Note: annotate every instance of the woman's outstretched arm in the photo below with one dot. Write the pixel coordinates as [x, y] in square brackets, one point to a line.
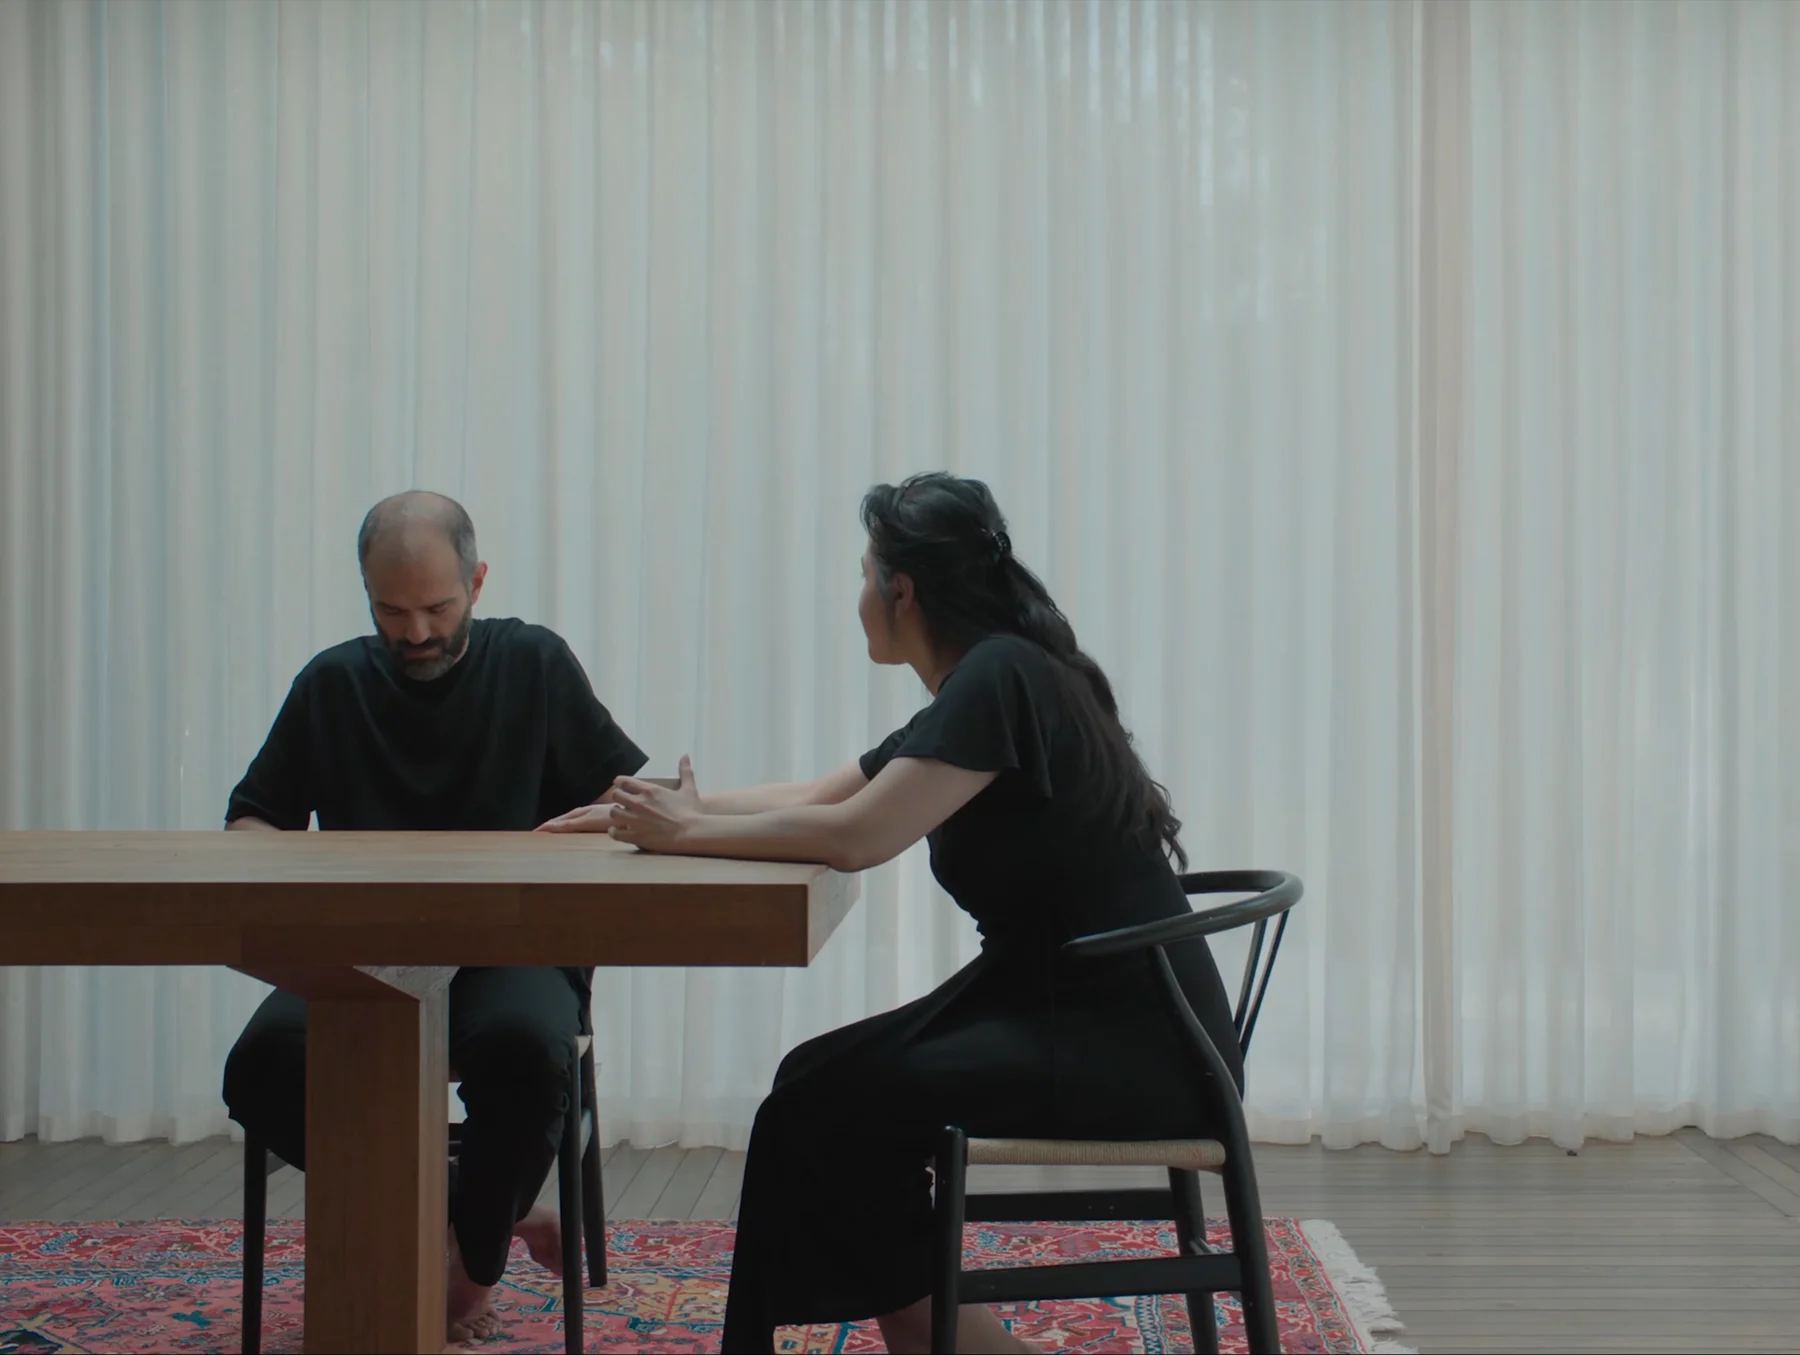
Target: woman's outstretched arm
[909, 798]
[831, 789]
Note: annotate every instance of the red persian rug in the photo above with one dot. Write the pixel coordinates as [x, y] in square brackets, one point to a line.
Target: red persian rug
[174, 1286]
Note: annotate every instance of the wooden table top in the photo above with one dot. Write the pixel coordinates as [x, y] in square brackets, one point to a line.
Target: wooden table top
[256, 900]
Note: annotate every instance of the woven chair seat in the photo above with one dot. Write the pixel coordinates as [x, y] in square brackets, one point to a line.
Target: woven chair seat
[1194, 1155]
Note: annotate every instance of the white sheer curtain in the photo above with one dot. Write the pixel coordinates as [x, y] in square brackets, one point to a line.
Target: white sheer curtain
[1336, 466]
[1626, 627]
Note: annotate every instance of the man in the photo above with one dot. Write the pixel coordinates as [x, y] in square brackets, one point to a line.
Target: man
[440, 721]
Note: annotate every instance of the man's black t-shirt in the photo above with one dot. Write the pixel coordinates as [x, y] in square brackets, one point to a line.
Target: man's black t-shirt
[511, 736]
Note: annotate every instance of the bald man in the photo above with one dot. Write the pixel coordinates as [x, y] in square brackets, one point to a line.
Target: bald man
[440, 721]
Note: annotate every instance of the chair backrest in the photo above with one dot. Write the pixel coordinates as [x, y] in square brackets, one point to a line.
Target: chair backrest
[1257, 966]
[1273, 893]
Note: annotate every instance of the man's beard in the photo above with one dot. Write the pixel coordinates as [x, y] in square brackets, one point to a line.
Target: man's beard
[436, 656]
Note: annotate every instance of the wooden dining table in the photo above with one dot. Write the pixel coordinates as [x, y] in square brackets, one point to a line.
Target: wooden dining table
[369, 928]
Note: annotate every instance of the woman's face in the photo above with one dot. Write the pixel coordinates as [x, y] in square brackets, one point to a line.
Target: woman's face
[877, 615]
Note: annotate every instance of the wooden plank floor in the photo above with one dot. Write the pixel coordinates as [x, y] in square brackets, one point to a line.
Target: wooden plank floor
[1673, 1244]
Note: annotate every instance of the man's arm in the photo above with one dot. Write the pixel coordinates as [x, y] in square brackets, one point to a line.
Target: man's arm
[588, 751]
[277, 791]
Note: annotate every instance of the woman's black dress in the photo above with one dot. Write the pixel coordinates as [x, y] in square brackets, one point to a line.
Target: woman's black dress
[834, 1223]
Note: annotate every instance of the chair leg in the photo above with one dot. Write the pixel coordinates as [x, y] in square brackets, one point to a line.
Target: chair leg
[1250, 1241]
[593, 1187]
[951, 1172]
[1190, 1234]
[256, 1214]
[568, 1182]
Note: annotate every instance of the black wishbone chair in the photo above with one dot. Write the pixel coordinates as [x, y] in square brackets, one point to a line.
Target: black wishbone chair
[1197, 1272]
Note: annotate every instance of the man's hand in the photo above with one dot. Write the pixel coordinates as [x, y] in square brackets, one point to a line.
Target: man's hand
[594, 818]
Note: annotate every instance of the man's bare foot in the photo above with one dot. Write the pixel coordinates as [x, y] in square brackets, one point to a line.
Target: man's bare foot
[541, 1231]
[469, 1307]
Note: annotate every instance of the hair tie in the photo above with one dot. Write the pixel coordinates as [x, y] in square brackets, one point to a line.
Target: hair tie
[999, 545]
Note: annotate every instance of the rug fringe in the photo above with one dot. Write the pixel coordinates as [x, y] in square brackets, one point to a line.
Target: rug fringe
[1365, 1298]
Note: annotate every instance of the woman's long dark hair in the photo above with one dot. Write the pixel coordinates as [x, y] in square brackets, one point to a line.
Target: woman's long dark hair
[949, 537]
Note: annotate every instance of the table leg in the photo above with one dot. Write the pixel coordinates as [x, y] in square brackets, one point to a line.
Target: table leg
[376, 1213]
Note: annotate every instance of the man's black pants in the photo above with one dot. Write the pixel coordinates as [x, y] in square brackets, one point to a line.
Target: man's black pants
[512, 1039]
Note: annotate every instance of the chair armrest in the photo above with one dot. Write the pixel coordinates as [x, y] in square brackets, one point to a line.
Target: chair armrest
[1275, 892]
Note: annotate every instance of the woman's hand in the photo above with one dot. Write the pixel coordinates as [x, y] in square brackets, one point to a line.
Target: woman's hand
[647, 814]
[598, 817]
[655, 818]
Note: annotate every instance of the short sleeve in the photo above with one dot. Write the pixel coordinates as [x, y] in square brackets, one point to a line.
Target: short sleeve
[995, 712]
[587, 748]
[882, 753]
[278, 787]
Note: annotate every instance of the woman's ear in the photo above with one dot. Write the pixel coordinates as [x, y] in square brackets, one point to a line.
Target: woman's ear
[900, 591]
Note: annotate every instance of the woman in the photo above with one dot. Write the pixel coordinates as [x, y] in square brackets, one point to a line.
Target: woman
[1044, 825]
